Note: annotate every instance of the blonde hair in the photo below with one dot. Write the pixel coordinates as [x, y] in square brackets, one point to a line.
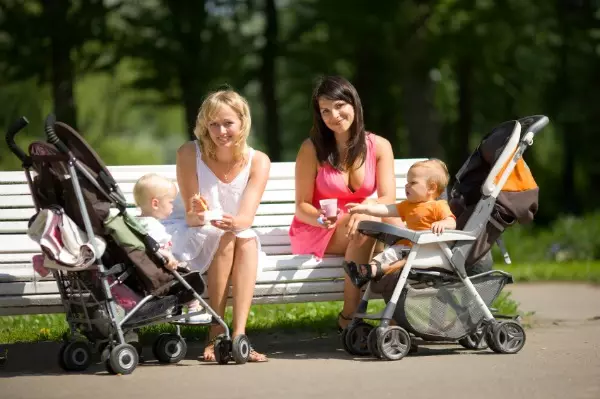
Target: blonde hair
[438, 173]
[206, 114]
[151, 186]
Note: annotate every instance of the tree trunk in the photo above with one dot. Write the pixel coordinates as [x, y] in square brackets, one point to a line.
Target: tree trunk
[191, 104]
[268, 75]
[189, 20]
[421, 117]
[464, 125]
[55, 15]
[566, 126]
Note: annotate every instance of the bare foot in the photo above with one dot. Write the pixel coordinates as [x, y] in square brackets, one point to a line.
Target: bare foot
[256, 357]
[209, 352]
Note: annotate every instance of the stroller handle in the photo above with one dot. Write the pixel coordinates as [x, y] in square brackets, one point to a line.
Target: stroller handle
[12, 131]
[534, 123]
[51, 135]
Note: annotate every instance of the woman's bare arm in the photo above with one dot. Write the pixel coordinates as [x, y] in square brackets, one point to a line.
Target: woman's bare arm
[386, 177]
[306, 173]
[187, 180]
[257, 181]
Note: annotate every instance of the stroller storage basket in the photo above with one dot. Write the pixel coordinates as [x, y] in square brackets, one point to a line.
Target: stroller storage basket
[446, 310]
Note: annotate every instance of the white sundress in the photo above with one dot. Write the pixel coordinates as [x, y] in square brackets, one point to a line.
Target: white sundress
[197, 245]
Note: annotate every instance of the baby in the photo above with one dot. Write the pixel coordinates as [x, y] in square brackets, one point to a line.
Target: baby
[154, 195]
[426, 181]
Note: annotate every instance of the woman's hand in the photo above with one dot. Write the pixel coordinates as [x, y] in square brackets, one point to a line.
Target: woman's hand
[195, 219]
[199, 203]
[227, 223]
[353, 221]
[328, 223]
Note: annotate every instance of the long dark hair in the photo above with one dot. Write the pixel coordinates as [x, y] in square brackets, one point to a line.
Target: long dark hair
[338, 88]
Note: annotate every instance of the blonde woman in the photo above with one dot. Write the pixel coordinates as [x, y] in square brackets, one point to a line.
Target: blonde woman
[219, 175]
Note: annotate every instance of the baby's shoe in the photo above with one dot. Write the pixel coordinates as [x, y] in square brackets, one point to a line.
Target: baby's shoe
[200, 318]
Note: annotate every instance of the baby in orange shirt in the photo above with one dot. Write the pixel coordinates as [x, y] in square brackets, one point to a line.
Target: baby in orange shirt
[426, 181]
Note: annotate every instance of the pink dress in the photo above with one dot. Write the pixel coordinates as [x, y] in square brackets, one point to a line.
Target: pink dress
[329, 183]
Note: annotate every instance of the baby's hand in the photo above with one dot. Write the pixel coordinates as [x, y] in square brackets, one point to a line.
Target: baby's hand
[438, 227]
[172, 263]
[354, 207]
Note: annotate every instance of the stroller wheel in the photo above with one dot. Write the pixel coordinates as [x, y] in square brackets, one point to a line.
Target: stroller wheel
[169, 348]
[372, 342]
[240, 349]
[475, 341]
[222, 350]
[75, 356]
[507, 336]
[356, 338]
[343, 340]
[123, 359]
[393, 343]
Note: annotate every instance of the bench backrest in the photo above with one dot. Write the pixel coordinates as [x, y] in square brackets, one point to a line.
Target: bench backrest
[275, 213]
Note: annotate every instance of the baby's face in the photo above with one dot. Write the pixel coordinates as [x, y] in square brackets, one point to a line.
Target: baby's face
[417, 189]
[162, 206]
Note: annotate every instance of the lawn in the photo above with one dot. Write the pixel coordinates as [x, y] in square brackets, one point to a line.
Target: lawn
[318, 317]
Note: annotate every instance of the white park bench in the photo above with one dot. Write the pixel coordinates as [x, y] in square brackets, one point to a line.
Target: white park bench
[283, 278]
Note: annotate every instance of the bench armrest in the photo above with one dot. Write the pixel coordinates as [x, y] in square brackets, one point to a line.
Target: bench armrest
[390, 234]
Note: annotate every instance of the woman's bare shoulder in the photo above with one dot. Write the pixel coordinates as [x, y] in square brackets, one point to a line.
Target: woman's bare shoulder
[187, 149]
[382, 146]
[307, 151]
[260, 161]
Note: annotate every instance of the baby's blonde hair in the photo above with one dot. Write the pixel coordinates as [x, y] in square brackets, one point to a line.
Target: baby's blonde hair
[438, 173]
[151, 186]
[206, 114]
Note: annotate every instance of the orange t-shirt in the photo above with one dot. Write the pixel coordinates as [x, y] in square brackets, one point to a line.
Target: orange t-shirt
[421, 215]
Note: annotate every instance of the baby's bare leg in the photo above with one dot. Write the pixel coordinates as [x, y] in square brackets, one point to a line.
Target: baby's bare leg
[393, 267]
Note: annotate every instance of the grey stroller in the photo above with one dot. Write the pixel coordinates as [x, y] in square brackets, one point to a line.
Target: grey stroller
[441, 293]
[80, 206]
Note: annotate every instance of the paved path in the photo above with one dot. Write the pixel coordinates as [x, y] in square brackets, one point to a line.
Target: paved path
[560, 360]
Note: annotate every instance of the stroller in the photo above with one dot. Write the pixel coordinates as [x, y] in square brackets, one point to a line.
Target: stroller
[450, 298]
[109, 272]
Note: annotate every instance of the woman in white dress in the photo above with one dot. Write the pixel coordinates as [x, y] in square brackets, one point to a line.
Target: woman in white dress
[231, 178]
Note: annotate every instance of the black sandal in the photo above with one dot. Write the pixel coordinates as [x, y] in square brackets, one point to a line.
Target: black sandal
[359, 279]
[341, 316]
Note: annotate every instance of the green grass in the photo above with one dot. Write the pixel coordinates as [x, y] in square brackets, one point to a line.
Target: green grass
[552, 271]
[317, 318]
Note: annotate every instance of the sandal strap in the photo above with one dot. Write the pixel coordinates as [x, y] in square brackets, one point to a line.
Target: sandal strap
[379, 273]
[343, 317]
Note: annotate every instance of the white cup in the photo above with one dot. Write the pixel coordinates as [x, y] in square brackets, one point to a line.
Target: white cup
[330, 208]
[213, 214]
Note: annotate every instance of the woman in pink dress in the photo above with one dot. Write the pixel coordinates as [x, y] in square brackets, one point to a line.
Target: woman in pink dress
[340, 160]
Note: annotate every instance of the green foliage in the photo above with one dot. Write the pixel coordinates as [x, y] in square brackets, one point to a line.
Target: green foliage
[569, 238]
[433, 77]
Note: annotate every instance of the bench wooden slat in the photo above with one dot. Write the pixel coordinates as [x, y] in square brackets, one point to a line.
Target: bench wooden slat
[48, 304]
[278, 289]
[283, 277]
[265, 279]
[279, 170]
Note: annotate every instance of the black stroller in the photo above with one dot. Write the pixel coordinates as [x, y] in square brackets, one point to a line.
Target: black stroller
[441, 293]
[69, 182]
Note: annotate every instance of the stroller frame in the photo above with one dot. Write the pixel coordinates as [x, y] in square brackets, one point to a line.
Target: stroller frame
[119, 351]
[394, 342]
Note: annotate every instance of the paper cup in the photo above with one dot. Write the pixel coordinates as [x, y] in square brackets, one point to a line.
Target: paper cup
[213, 214]
[330, 207]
